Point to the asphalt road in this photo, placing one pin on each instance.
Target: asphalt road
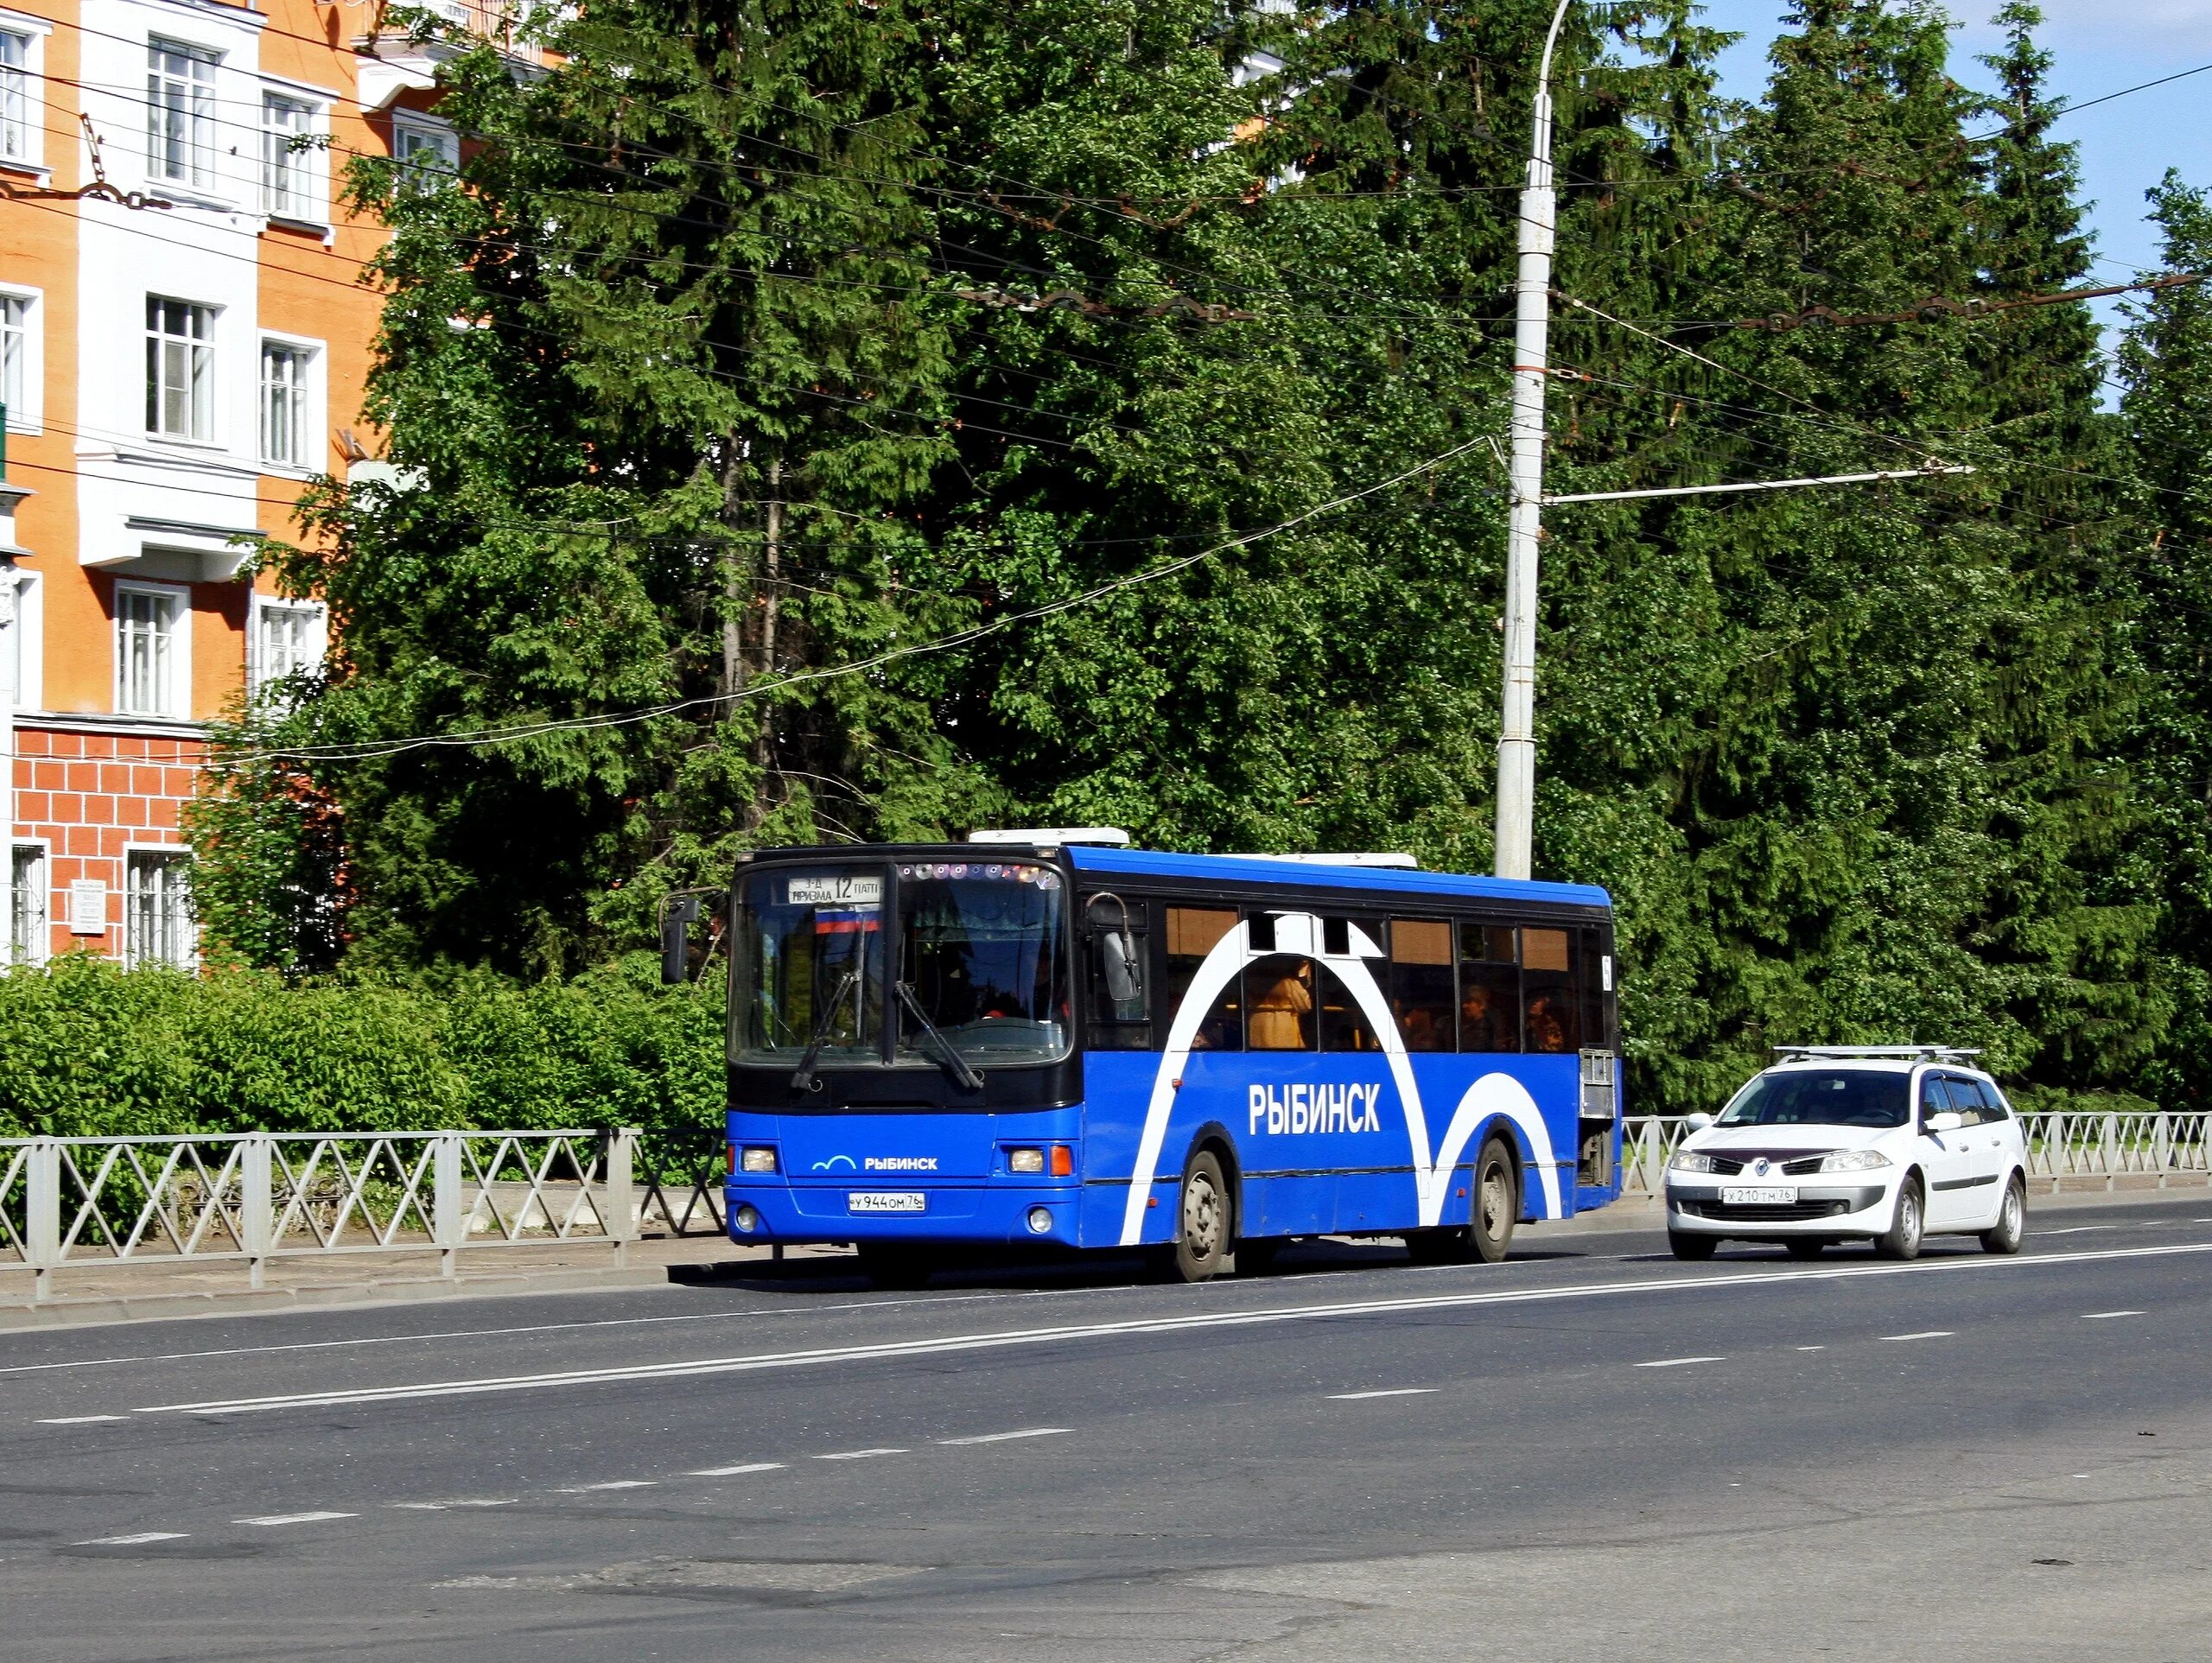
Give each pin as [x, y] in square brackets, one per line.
[1590, 1450]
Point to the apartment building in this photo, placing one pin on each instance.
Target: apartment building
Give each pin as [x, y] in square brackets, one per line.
[183, 343]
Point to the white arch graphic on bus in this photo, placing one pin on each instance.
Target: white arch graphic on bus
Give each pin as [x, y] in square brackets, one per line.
[1300, 933]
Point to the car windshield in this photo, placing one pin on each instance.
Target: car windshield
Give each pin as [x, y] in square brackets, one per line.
[982, 956]
[1871, 1097]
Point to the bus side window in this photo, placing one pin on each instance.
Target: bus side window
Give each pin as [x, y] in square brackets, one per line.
[1278, 1004]
[1550, 1016]
[1421, 982]
[1597, 991]
[1343, 1024]
[1490, 987]
[1192, 932]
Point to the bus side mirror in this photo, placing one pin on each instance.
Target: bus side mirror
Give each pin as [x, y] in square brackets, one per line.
[678, 914]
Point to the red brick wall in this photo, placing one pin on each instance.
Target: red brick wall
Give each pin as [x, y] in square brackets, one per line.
[89, 795]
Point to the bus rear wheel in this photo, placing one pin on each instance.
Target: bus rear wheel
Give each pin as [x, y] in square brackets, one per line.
[1202, 1231]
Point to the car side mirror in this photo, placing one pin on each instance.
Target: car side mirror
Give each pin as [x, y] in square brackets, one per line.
[1948, 1119]
[1698, 1122]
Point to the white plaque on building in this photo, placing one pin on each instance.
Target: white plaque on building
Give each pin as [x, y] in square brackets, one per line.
[88, 907]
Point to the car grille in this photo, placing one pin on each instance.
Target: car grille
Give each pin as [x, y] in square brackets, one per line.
[1795, 1164]
[1781, 1215]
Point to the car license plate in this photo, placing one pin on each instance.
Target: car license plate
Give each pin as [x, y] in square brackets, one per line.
[1741, 1196]
[885, 1200]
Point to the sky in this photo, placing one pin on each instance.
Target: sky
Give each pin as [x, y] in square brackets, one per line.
[2101, 46]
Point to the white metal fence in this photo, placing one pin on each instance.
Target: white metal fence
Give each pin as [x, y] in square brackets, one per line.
[2089, 1147]
[259, 1196]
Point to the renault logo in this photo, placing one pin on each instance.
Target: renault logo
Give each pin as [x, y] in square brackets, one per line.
[1758, 1166]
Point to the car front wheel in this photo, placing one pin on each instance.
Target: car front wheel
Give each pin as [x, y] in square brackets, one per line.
[1901, 1239]
[2011, 1229]
[1692, 1247]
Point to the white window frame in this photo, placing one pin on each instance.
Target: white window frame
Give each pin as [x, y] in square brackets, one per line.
[29, 631]
[412, 134]
[28, 414]
[308, 413]
[199, 110]
[40, 945]
[261, 676]
[175, 701]
[23, 96]
[157, 343]
[173, 857]
[305, 207]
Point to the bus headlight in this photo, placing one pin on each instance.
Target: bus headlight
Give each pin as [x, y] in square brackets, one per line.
[758, 1160]
[1040, 1221]
[1024, 1160]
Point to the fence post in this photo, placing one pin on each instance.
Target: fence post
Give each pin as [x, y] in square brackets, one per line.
[621, 1215]
[2111, 1147]
[256, 1222]
[42, 1220]
[450, 1224]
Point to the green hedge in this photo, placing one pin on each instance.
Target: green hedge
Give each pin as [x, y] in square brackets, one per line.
[88, 1049]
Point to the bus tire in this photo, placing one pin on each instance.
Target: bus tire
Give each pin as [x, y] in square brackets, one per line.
[1202, 1219]
[894, 1264]
[1496, 1202]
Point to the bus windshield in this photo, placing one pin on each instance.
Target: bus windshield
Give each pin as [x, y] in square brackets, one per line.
[982, 957]
[981, 977]
[808, 954]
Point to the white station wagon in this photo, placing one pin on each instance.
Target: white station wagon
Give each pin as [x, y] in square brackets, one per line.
[1885, 1144]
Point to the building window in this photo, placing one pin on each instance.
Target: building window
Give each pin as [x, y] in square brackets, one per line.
[17, 383]
[287, 164]
[180, 113]
[16, 128]
[27, 939]
[427, 157]
[179, 368]
[288, 638]
[157, 910]
[284, 403]
[149, 651]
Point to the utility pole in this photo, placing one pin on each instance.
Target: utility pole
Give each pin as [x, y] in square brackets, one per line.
[1516, 735]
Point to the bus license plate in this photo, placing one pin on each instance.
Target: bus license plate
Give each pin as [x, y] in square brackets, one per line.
[1747, 1197]
[884, 1201]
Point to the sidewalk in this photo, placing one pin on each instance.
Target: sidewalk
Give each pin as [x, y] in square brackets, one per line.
[152, 1289]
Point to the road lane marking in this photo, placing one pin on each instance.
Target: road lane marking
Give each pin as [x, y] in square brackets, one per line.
[138, 1540]
[612, 1483]
[2078, 1229]
[857, 1455]
[1812, 1347]
[732, 1472]
[2104, 1316]
[1925, 1333]
[79, 1420]
[1392, 1392]
[1064, 1333]
[1678, 1362]
[1009, 1438]
[440, 1507]
[272, 1519]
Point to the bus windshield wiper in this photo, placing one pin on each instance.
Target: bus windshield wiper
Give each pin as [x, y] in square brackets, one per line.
[803, 1080]
[955, 1063]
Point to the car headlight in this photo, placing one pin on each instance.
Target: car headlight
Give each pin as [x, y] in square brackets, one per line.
[757, 1160]
[1854, 1160]
[1688, 1160]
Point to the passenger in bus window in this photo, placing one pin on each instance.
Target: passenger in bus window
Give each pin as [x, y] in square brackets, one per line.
[1282, 1005]
[1548, 1023]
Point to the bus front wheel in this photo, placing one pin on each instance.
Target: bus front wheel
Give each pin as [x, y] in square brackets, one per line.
[1202, 1226]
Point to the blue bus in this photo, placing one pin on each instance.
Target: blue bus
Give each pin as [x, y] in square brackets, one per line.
[1069, 1044]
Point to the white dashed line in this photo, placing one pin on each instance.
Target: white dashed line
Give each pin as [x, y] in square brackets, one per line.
[2102, 1316]
[1393, 1391]
[440, 1507]
[612, 1483]
[1924, 1334]
[1812, 1347]
[1008, 1438]
[732, 1472]
[1678, 1362]
[2078, 1229]
[274, 1519]
[79, 1420]
[857, 1455]
[139, 1540]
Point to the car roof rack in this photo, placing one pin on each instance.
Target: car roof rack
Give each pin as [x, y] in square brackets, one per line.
[1916, 1053]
